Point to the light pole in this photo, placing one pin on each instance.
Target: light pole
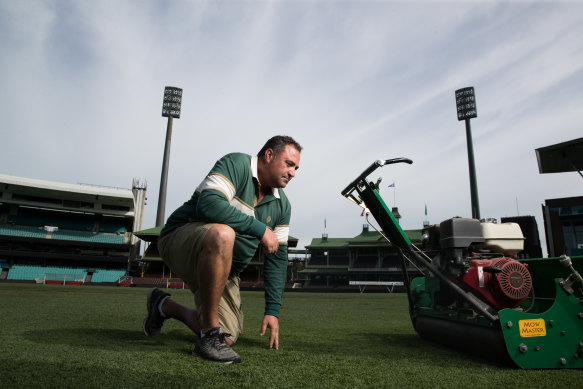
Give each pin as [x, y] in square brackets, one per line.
[465, 100]
[170, 109]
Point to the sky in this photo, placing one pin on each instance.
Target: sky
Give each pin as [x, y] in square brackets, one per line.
[82, 84]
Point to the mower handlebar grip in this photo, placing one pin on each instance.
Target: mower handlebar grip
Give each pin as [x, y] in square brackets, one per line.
[374, 166]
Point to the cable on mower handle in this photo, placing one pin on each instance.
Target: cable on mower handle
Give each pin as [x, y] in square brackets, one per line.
[375, 165]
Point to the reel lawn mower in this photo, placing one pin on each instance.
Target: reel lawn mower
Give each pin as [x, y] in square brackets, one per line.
[474, 294]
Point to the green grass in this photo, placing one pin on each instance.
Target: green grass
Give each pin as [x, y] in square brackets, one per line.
[84, 336]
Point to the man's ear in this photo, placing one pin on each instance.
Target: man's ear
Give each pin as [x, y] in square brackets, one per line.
[269, 155]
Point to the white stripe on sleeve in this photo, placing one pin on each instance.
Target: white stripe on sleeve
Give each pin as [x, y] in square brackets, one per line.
[220, 183]
[282, 233]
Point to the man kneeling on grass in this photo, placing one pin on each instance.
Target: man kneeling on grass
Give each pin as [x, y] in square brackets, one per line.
[210, 239]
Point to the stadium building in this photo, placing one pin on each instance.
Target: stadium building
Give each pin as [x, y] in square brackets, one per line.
[71, 233]
[367, 260]
[85, 233]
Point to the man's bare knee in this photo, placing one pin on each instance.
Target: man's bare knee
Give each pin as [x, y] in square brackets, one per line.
[219, 236]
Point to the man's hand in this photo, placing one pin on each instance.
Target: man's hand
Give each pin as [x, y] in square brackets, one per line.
[269, 242]
[272, 323]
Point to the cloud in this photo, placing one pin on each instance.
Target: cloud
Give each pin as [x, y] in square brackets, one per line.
[351, 81]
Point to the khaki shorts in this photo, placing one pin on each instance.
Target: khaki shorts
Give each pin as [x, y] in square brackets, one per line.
[180, 251]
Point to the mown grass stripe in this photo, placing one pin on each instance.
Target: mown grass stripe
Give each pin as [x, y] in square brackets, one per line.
[87, 336]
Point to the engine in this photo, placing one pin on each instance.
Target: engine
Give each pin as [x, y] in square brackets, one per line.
[501, 282]
[477, 256]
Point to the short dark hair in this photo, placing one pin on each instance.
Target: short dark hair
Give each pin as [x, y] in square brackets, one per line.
[277, 144]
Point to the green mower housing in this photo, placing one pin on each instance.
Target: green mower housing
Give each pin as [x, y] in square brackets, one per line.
[544, 331]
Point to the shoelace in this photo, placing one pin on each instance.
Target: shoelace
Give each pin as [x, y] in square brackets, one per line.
[220, 340]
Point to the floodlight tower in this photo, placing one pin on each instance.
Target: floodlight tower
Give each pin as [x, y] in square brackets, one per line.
[170, 109]
[465, 100]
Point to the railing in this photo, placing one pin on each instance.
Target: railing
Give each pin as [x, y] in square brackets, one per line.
[363, 284]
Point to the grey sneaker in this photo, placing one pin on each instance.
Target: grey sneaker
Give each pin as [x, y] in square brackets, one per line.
[213, 347]
[153, 322]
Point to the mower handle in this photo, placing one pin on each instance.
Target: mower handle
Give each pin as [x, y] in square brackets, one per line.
[375, 165]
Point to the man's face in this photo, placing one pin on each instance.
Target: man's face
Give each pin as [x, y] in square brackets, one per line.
[282, 168]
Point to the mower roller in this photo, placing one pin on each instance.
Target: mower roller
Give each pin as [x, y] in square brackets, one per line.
[474, 295]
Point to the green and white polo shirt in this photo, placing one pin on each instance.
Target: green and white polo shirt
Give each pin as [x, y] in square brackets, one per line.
[228, 195]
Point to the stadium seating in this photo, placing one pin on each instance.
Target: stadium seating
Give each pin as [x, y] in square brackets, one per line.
[80, 227]
[88, 237]
[23, 232]
[31, 272]
[80, 236]
[102, 275]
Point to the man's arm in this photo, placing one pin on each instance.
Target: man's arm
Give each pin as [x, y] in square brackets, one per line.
[274, 272]
[214, 207]
[217, 202]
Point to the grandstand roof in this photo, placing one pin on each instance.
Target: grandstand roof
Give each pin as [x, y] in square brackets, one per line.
[365, 238]
[150, 234]
[36, 184]
[68, 197]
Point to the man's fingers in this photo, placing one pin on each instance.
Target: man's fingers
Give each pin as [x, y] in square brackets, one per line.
[274, 339]
[269, 241]
[272, 323]
[270, 250]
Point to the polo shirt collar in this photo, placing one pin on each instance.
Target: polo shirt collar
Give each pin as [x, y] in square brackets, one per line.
[254, 160]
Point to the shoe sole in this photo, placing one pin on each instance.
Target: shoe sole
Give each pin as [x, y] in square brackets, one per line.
[148, 305]
[144, 328]
[195, 354]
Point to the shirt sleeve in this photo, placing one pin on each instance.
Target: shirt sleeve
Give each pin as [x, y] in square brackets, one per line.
[275, 267]
[218, 203]
[274, 273]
